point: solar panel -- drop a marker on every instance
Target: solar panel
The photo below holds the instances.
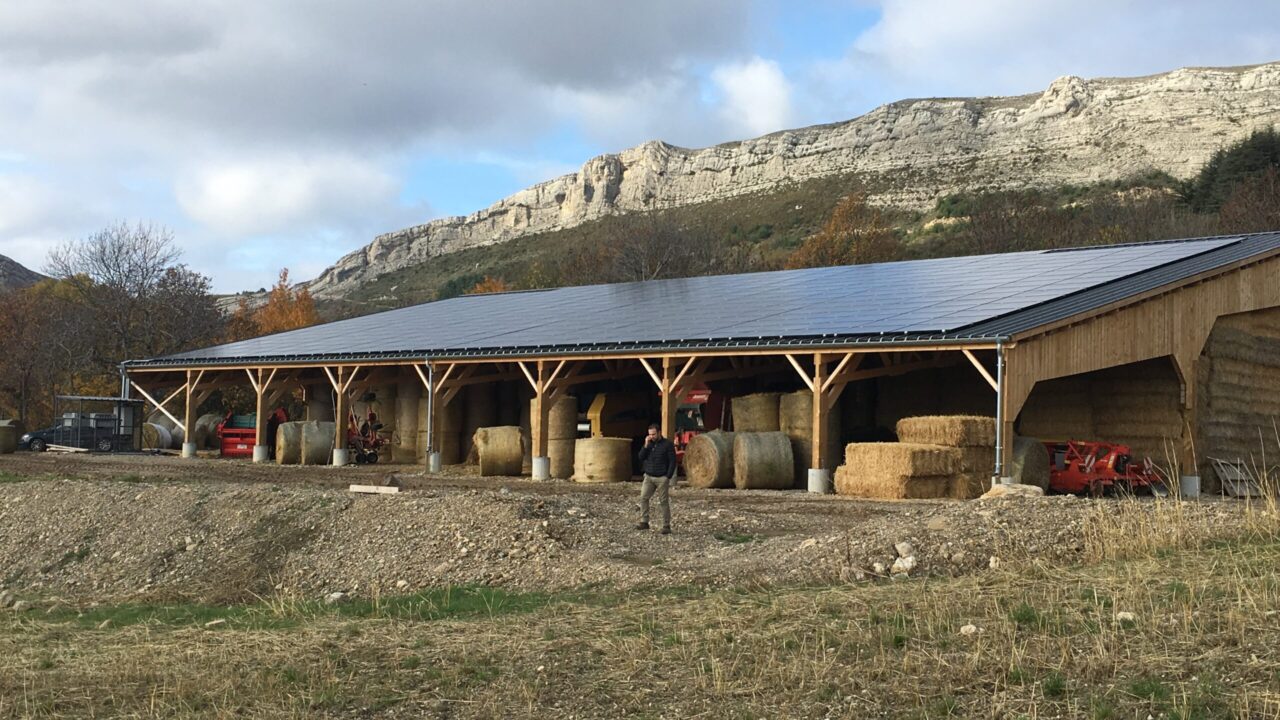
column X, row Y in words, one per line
column 921, row 297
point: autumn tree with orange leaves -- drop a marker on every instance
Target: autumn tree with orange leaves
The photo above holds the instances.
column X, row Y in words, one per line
column 285, row 309
column 489, row 285
column 855, row 233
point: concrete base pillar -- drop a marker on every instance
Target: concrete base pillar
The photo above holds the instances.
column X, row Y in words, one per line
column 542, row 468
column 819, row 481
column 261, row 454
column 434, row 462
column 340, row 457
column 188, row 450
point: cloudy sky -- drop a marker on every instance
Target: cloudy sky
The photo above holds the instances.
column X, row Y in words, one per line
column 272, row 134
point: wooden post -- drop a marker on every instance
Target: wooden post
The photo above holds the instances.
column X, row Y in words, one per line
column 1185, row 365
column 189, row 414
column 541, row 415
column 670, row 400
column 820, row 408
column 260, row 426
column 340, row 412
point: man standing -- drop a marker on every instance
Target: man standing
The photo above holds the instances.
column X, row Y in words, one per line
column 658, row 463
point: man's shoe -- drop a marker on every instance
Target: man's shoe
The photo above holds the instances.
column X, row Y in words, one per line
column 666, row 531
column 642, row 526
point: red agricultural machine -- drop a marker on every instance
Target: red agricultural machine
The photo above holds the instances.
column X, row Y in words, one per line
column 1079, row 466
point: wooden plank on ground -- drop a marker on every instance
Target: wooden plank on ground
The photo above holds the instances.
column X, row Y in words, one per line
column 374, row 489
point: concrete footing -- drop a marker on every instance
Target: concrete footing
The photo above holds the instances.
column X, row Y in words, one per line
column 188, row 450
column 340, row 457
column 542, row 468
column 261, row 454
column 819, row 481
column 434, row 463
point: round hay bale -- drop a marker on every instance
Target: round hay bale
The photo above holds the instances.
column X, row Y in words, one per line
column 8, row 439
column 562, row 422
column 1030, row 464
column 155, row 437
column 405, row 437
column 176, row 437
column 289, row 443
column 206, row 431
column 949, row 430
column 756, row 413
column 158, row 418
column 317, row 442
column 708, row 460
column 500, row 450
column 560, row 453
column 762, row 461
column 602, row 460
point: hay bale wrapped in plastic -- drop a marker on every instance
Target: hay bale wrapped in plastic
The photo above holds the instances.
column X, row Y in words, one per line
column 156, row 437
column 317, row 442
column 500, row 450
column 756, row 413
column 708, row 460
column 762, row 461
column 602, row 460
column 289, row 443
column 1030, row 464
column 949, row 430
column 852, row 481
column 8, row 439
column 902, row 459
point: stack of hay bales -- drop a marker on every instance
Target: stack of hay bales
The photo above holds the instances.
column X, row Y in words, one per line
column 795, row 418
column 973, row 437
column 289, row 443
column 602, row 460
column 1241, row 356
column 404, row 441
column 447, row 431
column 562, row 432
column 317, row 442
column 762, row 461
column 174, row 434
column 756, row 413
column 8, row 437
column 320, row 403
column 708, row 460
column 499, row 450
column 1140, row 405
column 897, row 471
column 480, row 411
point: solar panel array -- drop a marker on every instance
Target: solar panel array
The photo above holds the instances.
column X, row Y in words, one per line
column 939, row 297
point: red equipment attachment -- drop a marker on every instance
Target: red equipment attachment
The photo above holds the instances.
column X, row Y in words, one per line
column 363, row 439
column 1077, row 466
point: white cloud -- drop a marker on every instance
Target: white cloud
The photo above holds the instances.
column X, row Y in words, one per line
column 757, row 96
column 270, row 195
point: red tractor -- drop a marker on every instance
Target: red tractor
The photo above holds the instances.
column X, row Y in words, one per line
column 1079, row 466
column 363, row 439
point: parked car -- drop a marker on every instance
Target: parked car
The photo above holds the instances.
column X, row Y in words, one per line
column 85, row 434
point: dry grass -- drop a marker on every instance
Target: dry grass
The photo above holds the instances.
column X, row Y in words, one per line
column 1049, row 642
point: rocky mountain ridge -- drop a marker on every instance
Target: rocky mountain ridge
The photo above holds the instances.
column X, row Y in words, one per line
column 908, row 153
column 13, row 275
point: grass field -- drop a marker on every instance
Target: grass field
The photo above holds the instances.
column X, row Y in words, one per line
column 1160, row 622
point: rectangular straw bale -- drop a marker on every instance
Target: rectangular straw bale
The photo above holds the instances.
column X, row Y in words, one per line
column 981, row 460
column 949, row 430
column 851, row 482
column 902, row 459
column 967, row 486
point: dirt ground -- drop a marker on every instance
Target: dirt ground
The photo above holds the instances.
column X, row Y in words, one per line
column 111, row 528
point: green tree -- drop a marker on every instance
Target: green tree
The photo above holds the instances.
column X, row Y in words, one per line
column 1243, row 160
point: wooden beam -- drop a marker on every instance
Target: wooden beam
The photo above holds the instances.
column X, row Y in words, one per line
column 445, row 377
column 528, row 375
column 426, row 384
column 669, row 399
column 840, row 368
column 985, row 375
column 821, row 405
column 800, row 371
column 159, row 406
column 649, row 368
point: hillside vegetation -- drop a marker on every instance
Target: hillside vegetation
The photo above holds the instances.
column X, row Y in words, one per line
column 1237, row 191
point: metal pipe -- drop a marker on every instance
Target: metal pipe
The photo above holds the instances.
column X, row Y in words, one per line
column 124, row 383
column 431, row 407
column 1000, row 439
